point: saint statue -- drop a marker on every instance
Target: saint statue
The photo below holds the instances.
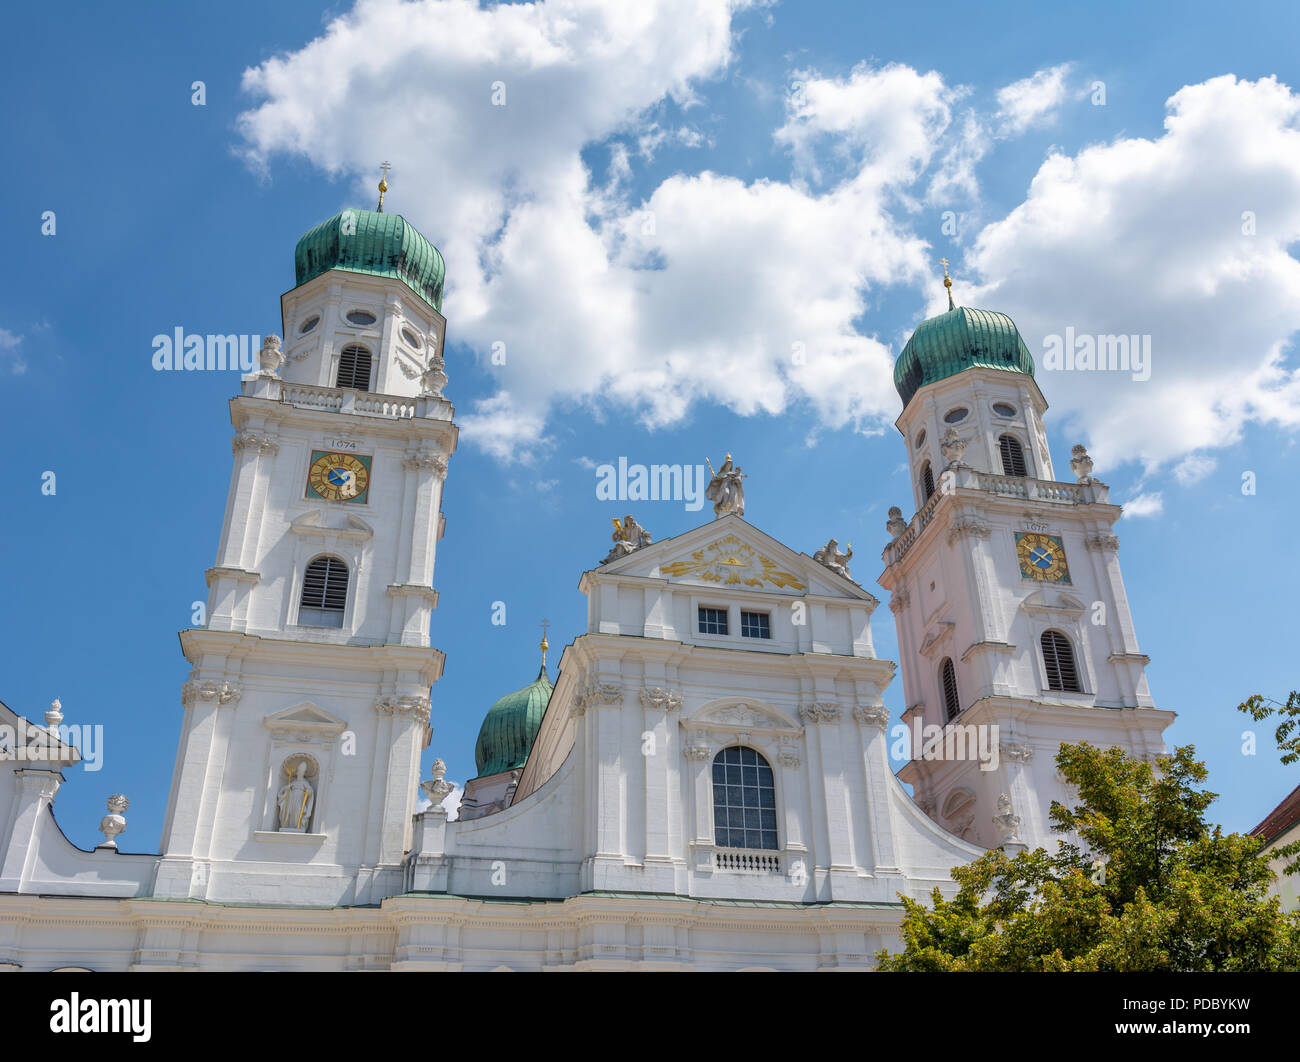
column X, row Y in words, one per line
column 295, row 801
column 725, row 489
column 830, row 556
column 628, row 537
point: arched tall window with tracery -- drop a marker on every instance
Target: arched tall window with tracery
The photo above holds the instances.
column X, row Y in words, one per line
column 744, row 800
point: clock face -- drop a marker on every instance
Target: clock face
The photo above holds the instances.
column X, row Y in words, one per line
column 338, row 477
column 1042, row 558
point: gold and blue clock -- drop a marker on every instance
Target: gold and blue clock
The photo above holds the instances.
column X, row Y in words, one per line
column 1042, row 558
column 338, row 477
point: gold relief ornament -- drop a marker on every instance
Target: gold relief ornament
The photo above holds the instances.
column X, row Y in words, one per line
column 731, row 562
column 338, row 477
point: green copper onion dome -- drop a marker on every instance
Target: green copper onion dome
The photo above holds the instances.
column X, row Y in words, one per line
column 959, row 339
column 507, row 733
column 370, row 241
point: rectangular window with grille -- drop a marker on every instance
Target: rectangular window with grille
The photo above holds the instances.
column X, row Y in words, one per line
column 755, row 625
column 713, row 620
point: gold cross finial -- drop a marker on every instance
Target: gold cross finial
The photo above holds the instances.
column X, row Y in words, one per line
column 545, row 625
column 947, row 282
column 383, row 184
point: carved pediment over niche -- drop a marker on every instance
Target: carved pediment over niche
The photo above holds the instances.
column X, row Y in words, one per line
column 304, row 720
column 732, row 562
column 317, row 525
column 1053, row 603
column 936, row 637
column 743, row 715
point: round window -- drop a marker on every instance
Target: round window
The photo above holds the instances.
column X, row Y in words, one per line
column 1004, row 409
column 309, row 324
column 920, row 439
column 361, row 317
column 956, row 416
column 411, row 338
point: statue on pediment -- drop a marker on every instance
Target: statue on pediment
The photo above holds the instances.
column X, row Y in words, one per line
column 830, row 556
column 629, row 536
column 725, row 489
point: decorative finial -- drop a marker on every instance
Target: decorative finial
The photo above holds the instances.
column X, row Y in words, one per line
column 55, row 715
column 947, row 282
column 545, row 625
column 114, row 823
column 383, row 185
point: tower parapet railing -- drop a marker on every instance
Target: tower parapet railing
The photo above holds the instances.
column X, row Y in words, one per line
column 962, row 478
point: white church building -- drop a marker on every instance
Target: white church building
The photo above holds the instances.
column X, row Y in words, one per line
column 706, row 782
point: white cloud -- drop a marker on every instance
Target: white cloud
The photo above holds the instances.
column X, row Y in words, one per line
column 1152, row 504
column 713, row 289
column 1145, row 237
column 1032, row 101
column 752, row 294
column 9, row 343
column 1193, row 468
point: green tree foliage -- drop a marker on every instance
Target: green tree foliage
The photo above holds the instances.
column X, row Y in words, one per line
column 1140, row 881
column 1287, row 736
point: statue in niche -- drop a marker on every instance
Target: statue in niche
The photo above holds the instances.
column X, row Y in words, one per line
column 629, row 536
column 830, row 556
column 725, row 489
column 295, row 801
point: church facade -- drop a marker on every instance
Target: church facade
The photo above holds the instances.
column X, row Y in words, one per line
column 706, row 783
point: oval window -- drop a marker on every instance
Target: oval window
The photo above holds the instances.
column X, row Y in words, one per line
column 309, row 324
column 920, row 439
column 1004, row 409
column 361, row 317
column 956, row 416
column 411, row 338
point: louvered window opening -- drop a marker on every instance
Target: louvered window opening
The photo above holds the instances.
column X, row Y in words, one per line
column 927, row 480
column 1013, row 456
column 1058, row 659
column 354, row 368
column 324, row 593
column 948, row 680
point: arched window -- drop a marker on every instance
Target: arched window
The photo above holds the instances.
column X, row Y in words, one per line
column 744, row 800
column 1013, row 456
column 948, row 685
column 324, row 593
column 1058, row 660
column 927, row 481
column 354, row 368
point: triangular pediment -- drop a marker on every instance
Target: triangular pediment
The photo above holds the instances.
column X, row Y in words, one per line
column 729, row 553
column 1053, row 602
column 305, row 718
column 19, row 733
column 317, row 523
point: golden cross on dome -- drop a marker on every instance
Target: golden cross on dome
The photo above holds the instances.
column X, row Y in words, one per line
column 947, row 282
column 545, row 625
column 383, row 185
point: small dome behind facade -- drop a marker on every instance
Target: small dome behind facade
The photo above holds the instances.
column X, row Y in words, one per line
column 510, row 726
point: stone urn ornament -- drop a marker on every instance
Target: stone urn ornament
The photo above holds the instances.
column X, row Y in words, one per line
column 114, row 823
column 1081, row 464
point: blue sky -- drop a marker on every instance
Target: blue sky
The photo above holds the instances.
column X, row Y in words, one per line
column 797, row 161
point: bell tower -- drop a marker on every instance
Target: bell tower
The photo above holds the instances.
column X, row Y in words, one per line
column 1014, row 629
column 307, row 706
